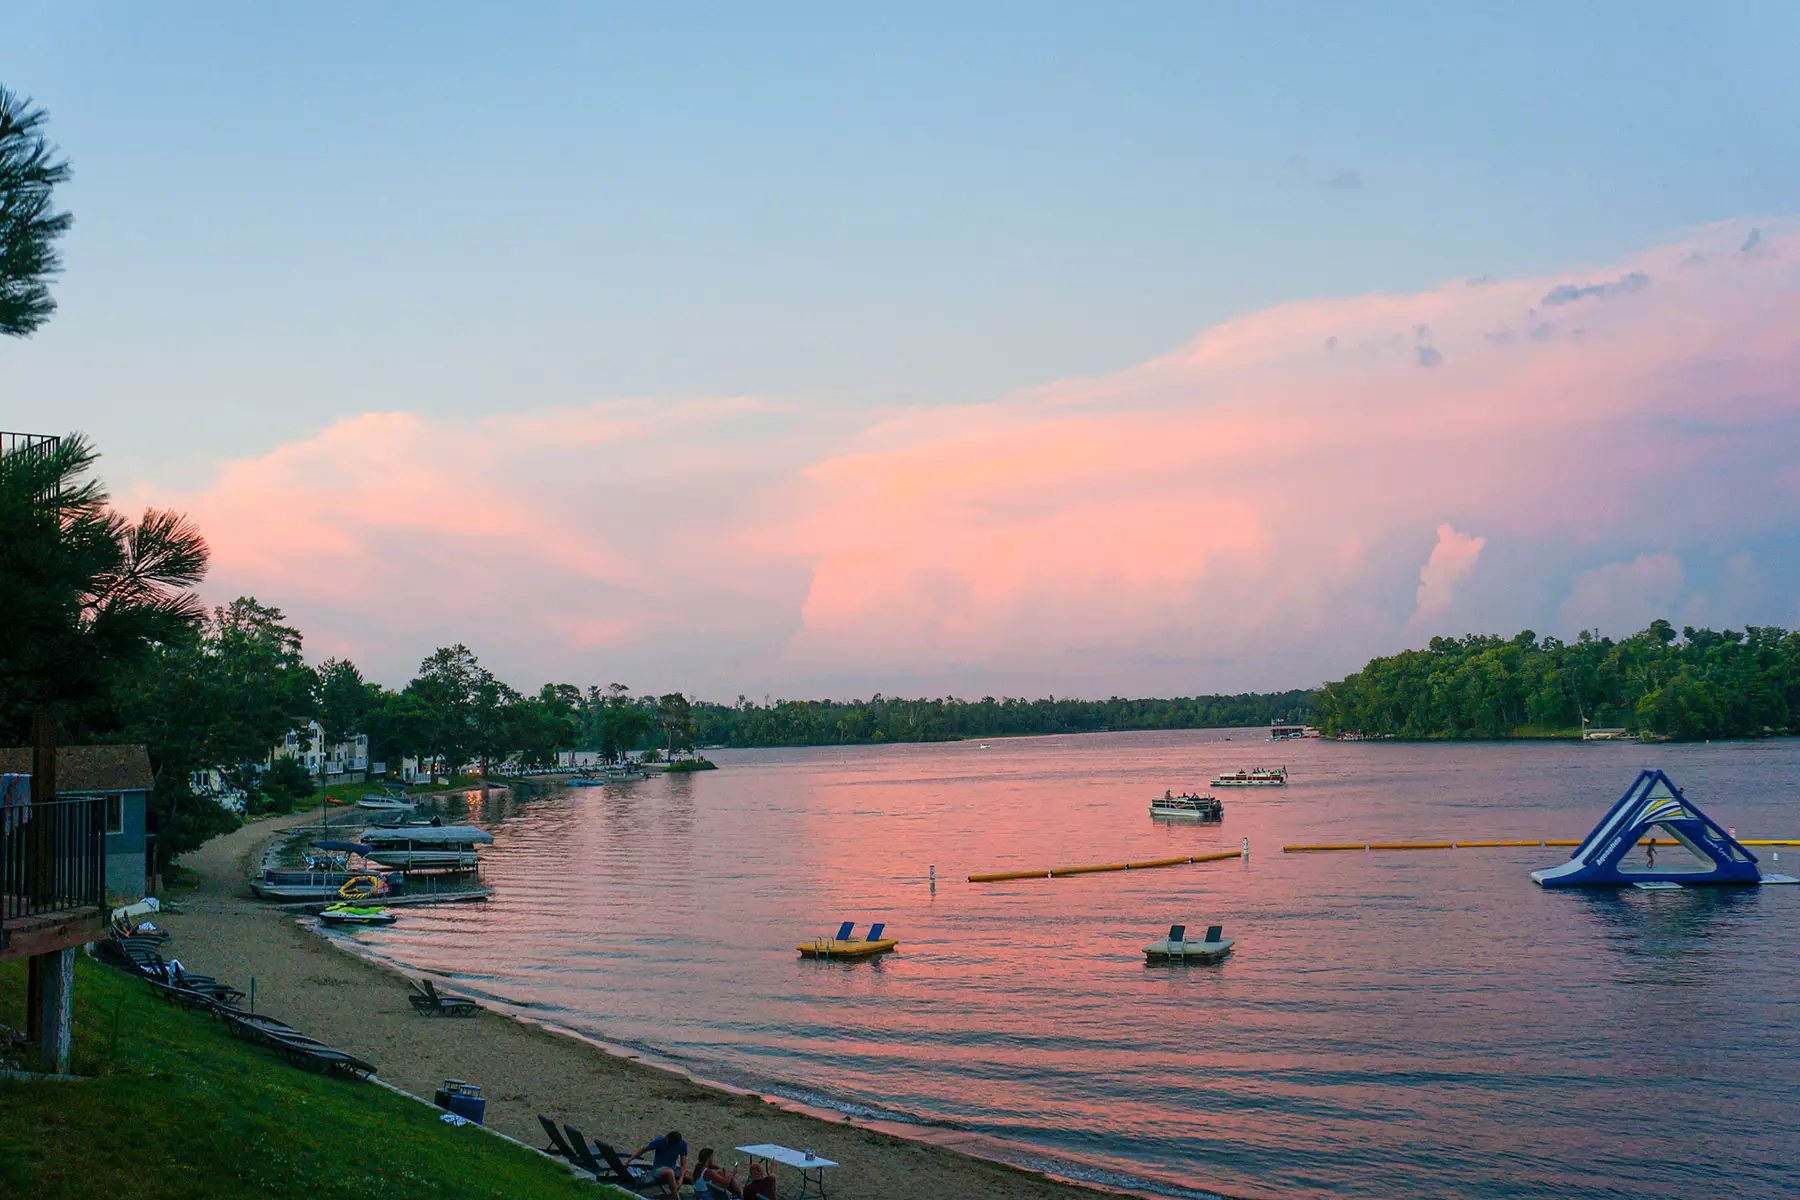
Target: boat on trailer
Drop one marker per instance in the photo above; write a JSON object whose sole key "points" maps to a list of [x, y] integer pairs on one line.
{"points": [[1254, 777], [1202, 807]]}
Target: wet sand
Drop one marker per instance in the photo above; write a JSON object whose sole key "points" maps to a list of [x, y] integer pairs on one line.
{"points": [[525, 1070]]}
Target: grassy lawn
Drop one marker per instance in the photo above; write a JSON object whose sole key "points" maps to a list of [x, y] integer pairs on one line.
{"points": [[350, 793], [177, 1108]]}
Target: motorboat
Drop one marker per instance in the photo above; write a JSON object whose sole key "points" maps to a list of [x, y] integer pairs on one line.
{"points": [[1179, 948], [291, 886], [386, 803], [1254, 777], [1202, 807], [586, 781], [425, 847]]}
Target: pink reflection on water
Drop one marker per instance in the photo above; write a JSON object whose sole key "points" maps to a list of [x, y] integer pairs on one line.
{"points": [[1391, 1024]]}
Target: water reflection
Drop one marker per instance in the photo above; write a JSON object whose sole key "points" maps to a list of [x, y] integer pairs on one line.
{"points": [[1395, 1025]]}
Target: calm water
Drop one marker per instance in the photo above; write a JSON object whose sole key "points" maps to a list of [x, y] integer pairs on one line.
{"points": [[1391, 1024]]}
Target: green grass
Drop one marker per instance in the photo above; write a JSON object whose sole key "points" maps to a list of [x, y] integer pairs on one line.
{"points": [[178, 1108], [350, 793]]}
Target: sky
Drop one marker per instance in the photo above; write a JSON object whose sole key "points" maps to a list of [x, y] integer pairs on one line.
{"points": [[795, 350]]}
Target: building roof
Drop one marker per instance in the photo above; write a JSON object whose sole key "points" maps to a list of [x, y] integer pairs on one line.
{"points": [[89, 768]]}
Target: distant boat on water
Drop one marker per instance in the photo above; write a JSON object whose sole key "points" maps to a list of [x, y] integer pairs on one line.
{"points": [[1254, 777], [1202, 807], [386, 803]]}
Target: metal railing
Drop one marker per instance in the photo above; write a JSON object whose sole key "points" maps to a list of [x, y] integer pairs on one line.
{"points": [[52, 857], [11, 442]]}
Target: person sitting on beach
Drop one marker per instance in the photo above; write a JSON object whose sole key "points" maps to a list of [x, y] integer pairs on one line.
{"points": [[760, 1185], [668, 1163], [708, 1173]]}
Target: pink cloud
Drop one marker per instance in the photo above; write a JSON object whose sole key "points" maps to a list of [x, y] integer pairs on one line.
{"points": [[1251, 509], [1451, 561]]}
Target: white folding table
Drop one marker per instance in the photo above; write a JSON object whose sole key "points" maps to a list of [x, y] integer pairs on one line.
{"points": [[811, 1166]]}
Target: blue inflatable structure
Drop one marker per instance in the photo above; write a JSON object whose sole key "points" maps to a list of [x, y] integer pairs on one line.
{"points": [[1653, 807]]}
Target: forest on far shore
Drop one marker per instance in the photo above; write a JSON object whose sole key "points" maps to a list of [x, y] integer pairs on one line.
{"points": [[1686, 686]]}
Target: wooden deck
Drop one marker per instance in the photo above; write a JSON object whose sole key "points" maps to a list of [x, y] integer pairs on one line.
{"points": [[21, 937]]}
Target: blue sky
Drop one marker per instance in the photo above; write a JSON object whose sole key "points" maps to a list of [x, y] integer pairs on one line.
{"points": [[290, 215], [289, 218]]}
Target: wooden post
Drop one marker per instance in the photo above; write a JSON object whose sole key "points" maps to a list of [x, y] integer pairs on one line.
{"points": [[54, 995]]}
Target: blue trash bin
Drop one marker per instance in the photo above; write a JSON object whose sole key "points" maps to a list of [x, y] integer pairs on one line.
{"points": [[463, 1099]]}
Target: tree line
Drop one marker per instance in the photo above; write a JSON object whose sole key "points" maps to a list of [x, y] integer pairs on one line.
{"points": [[1691, 685], [892, 719]]}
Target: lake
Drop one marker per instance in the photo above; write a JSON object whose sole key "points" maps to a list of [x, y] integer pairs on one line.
{"points": [[1391, 1024]]}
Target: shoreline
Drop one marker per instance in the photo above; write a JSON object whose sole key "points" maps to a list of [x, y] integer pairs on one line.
{"points": [[529, 1065]]}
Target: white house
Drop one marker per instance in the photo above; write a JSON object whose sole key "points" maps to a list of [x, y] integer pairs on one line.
{"points": [[346, 758]]}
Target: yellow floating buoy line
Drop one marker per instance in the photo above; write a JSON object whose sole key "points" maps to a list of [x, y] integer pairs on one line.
{"points": [[1486, 845], [1145, 865]]}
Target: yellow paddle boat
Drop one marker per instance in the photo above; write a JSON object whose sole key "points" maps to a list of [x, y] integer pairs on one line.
{"points": [[845, 945]]}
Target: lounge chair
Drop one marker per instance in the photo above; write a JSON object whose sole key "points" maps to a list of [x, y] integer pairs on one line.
{"points": [[428, 1001], [1177, 934], [875, 932], [610, 1171], [186, 998], [557, 1146], [313, 1055], [618, 1171], [844, 931], [141, 958], [223, 993], [1215, 933]]}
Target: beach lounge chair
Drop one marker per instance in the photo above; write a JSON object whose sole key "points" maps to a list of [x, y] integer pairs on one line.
{"points": [[581, 1156], [186, 998], [223, 993], [1215, 933], [428, 1001], [557, 1146], [844, 931], [618, 1171], [875, 932], [313, 1055], [1177, 933], [611, 1170]]}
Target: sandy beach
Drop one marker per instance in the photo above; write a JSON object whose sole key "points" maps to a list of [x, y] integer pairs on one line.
{"points": [[525, 1070]]}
